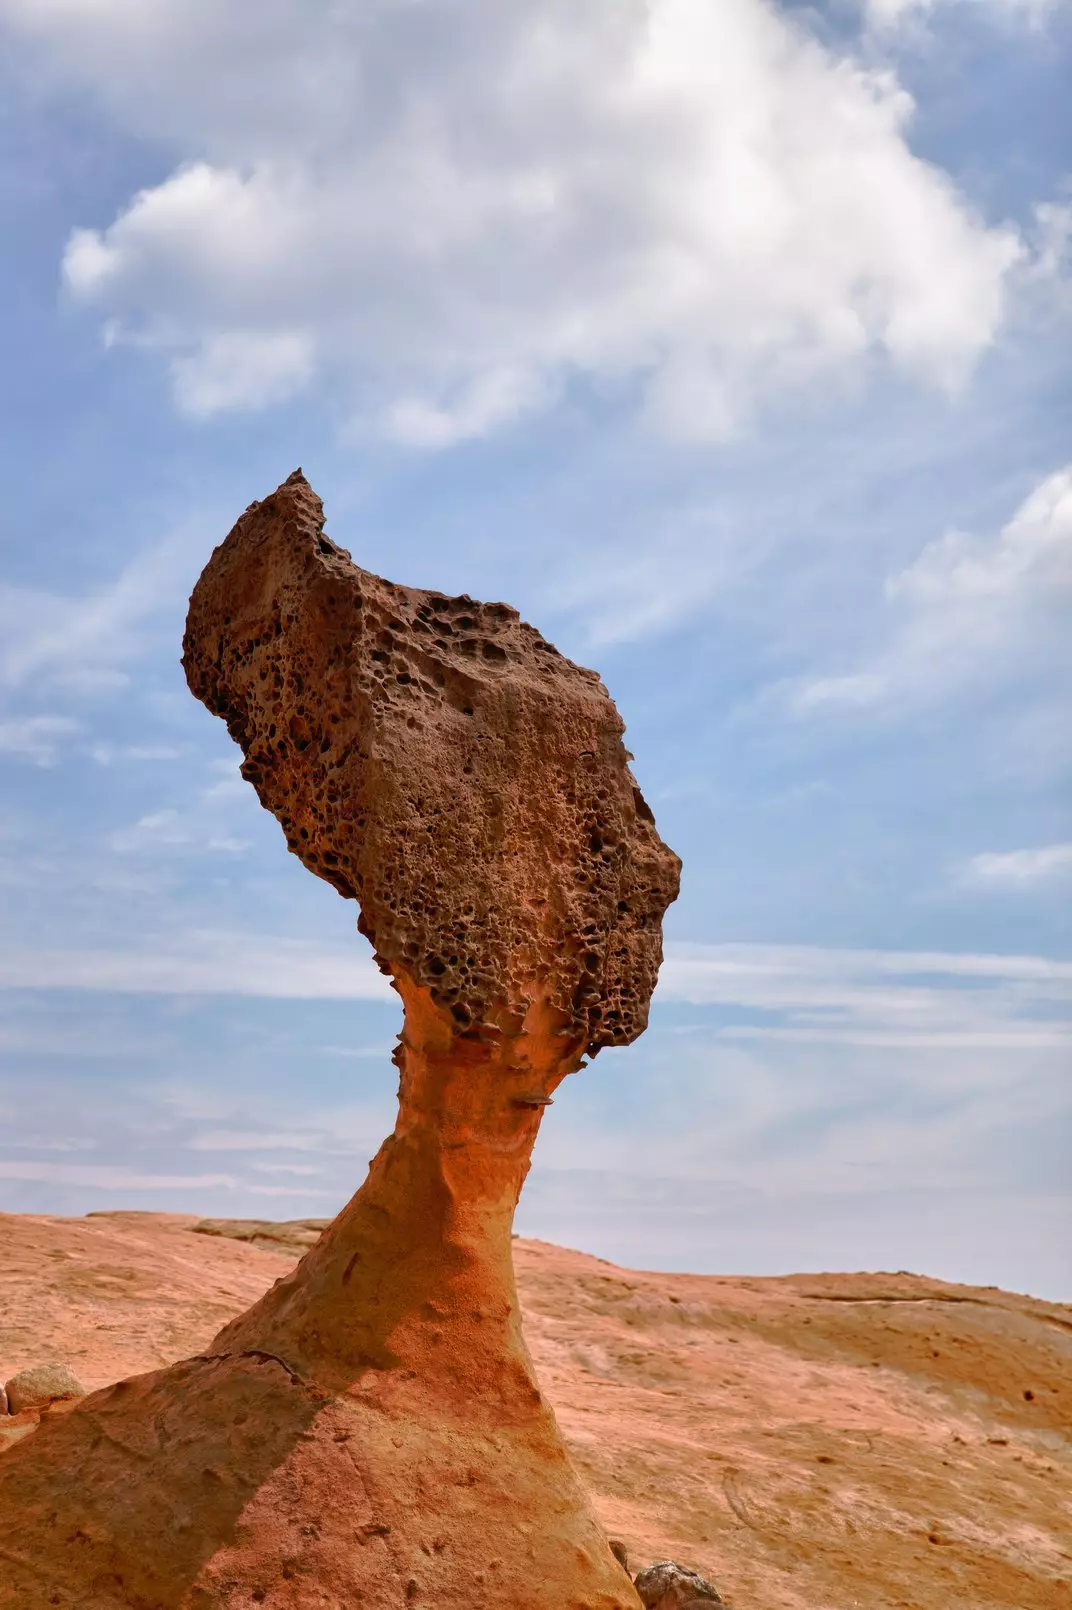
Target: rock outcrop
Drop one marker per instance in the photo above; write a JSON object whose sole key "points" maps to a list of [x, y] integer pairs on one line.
{"points": [[41, 1385], [666, 1585], [371, 1431]]}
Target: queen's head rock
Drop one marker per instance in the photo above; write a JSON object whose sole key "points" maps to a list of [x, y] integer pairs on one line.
{"points": [[437, 760], [371, 1431]]}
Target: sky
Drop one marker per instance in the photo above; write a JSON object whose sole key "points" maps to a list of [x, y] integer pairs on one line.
{"points": [[727, 340]]}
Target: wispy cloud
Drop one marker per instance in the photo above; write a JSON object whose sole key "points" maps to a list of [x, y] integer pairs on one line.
{"points": [[79, 647], [907, 996], [876, 997], [202, 962], [254, 1140], [1020, 869], [110, 1177], [36, 738], [83, 642], [112, 754], [966, 611], [887, 16], [168, 829], [115, 1178], [996, 1037]]}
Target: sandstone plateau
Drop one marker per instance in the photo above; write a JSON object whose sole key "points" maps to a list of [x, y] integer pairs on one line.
{"points": [[816, 1442], [371, 1431]]}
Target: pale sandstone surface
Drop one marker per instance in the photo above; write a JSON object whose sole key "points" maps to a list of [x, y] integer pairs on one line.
{"points": [[799, 1441]]}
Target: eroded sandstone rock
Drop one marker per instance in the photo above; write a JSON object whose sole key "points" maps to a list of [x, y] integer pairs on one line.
{"points": [[286, 1235], [439, 761], [666, 1585], [371, 1431], [40, 1385]]}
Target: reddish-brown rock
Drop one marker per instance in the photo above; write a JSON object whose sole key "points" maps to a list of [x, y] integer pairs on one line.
{"points": [[371, 1431], [438, 760], [41, 1385]]}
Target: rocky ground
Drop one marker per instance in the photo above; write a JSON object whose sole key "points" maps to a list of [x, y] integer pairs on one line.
{"points": [[813, 1442]]}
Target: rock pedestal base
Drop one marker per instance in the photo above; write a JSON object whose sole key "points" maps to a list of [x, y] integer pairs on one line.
{"points": [[228, 1482], [371, 1433]]}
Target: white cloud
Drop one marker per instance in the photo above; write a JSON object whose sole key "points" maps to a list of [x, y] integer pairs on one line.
{"points": [[202, 962], [1020, 869], [966, 610], [110, 754], [1022, 1037], [1052, 244], [231, 785], [457, 210], [112, 1177], [874, 997], [1032, 554], [156, 830], [909, 998], [169, 829], [79, 642], [242, 369], [254, 1140], [36, 738], [885, 15]]}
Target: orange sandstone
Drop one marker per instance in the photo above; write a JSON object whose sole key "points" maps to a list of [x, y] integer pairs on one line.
{"points": [[873, 1439], [371, 1431]]}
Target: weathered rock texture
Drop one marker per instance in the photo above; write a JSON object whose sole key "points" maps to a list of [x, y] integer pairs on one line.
{"points": [[40, 1385], [666, 1585], [371, 1431], [439, 761]]}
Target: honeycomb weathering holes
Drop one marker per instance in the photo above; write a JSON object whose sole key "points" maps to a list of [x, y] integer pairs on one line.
{"points": [[479, 806], [437, 759]]}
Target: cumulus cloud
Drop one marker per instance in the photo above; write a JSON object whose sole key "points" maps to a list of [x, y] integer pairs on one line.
{"points": [[457, 211], [966, 609]]}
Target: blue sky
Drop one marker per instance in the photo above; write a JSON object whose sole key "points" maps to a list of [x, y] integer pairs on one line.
{"points": [[729, 343]]}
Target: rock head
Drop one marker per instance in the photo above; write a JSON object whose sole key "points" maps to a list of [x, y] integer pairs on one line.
{"points": [[439, 761], [371, 1431]]}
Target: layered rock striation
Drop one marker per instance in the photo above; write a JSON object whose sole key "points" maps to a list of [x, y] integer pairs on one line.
{"points": [[371, 1431]]}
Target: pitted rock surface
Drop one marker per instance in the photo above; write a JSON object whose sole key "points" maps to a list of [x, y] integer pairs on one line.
{"points": [[41, 1384], [371, 1429], [666, 1585], [439, 761]]}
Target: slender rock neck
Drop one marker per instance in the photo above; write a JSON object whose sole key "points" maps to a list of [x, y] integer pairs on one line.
{"points": [[415, 1277], [471, 1106]]}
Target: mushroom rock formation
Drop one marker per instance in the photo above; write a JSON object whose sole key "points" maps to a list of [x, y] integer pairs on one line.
{"points": [[371, 1432]]}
